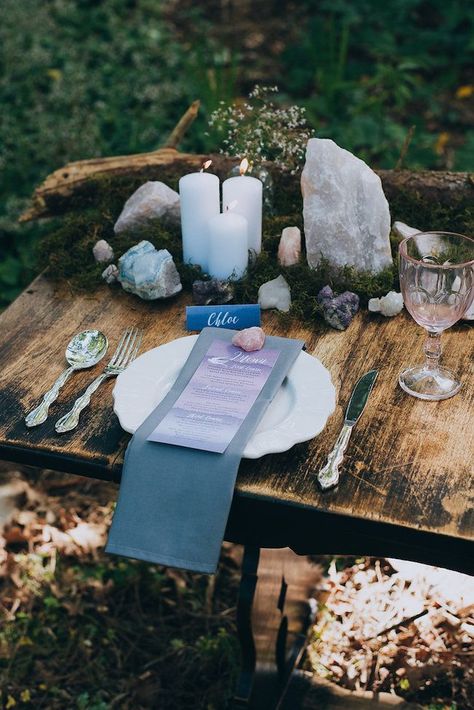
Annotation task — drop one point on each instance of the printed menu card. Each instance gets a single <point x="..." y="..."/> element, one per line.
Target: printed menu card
<point x="211" y="408"/>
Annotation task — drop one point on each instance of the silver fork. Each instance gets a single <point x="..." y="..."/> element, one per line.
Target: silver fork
<point x="124" y="354"/>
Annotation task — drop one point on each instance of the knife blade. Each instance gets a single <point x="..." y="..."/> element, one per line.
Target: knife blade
<point x="328" y="476"/>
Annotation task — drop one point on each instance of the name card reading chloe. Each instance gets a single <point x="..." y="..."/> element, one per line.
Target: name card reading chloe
<point x="233" y="317"/>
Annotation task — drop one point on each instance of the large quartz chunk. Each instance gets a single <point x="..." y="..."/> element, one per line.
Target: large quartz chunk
<point x="275" y="294"/>
<point x="149" y="273"/>
<point x="346" y="215"/>
<point x="151" y="202"/>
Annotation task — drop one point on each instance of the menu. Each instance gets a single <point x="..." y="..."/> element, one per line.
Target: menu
<point x="212" y="407"/>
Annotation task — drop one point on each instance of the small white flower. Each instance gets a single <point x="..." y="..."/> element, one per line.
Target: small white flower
<point x="263" y="129"/>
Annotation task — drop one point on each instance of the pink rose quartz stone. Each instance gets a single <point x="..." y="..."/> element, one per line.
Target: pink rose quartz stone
<point x="289" y="249"/>
<point x="249" y="339"/>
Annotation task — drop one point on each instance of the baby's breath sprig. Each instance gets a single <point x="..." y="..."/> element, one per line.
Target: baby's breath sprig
<point x="260" y="130"/>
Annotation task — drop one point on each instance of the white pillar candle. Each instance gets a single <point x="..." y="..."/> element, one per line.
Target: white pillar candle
<point x="228" y="246"/>
<point x="247" y="192"/>
<point x="199" y="199"/>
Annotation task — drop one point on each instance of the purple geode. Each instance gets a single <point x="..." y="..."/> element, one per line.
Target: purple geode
<point x="338" y="311"/>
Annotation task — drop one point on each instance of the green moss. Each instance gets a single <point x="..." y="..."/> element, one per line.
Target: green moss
<point x="67" y="250"/>
<point x="426" y="214"/>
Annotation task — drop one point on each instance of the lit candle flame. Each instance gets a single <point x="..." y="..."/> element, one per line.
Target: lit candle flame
<point x="243" y="167"/>
<point x="232" y="205"/>
<point x="205" y="165"/>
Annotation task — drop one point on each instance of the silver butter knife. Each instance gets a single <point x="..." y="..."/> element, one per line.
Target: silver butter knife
<point x="328" y="477"/>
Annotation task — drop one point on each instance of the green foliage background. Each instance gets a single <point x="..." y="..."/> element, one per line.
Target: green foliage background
<point x="84" y="78"/>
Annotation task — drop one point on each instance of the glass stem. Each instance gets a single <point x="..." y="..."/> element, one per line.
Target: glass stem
<point x="432" y="349"/>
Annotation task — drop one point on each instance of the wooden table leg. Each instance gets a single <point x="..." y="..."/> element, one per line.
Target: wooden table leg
<point x="274" y="610"/>
<point x="248" y="583"/>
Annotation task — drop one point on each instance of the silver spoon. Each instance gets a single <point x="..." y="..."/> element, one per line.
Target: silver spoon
<point x="84" y="350"/>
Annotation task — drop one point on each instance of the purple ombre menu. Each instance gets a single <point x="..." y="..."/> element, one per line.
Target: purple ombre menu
<point x="211" y="408"/>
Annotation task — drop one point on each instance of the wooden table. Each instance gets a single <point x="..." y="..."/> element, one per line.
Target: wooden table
<point x="406" y="489"/>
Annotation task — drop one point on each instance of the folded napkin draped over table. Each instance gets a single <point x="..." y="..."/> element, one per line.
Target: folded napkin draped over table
<point x="174" y="501"/>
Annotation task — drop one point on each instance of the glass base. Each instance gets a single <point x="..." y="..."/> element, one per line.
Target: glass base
<point x="426" y="383"/>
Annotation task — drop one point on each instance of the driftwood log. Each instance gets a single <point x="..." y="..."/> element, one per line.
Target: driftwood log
<point x="323" y="694"/>
<point x="53" y="195"/>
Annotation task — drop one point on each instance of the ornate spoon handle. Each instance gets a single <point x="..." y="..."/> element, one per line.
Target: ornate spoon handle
<point x="328" y="477"/>
<point x="70" y="420"/>
<point x="40" y="413"/>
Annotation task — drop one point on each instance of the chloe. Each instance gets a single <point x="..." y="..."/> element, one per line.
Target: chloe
<point x="220" y="319"/>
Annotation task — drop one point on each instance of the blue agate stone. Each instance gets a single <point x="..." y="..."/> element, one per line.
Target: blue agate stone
<point x="148" y="272"/>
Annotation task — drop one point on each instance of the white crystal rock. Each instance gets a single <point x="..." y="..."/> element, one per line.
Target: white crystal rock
<point x="149" y="273"/>
<point x="425" y="242"/>
<point x="404" y="230"/>
<point x="346" y="215"/>
<point x="110" y="274"/>
<point x="275" y="294"/>
<point x="102" y="251"/>
<point x="152" y="201"/>
<point x="389" y="305"/>
<point x="249" y="339"/>
<point x="289" y="249"/>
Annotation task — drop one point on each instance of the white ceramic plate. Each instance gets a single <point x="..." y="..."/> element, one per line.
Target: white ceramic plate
<point x="297" y="413"/>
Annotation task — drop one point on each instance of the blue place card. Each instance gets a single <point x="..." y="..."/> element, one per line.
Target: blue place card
<point x="232" y="317"/>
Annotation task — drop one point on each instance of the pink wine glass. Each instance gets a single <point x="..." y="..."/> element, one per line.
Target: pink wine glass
<point x="437" y="283"/>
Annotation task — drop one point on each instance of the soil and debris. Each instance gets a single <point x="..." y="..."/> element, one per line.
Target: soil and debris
<point x="81" y="629"/>
<point x="396" y="626"/>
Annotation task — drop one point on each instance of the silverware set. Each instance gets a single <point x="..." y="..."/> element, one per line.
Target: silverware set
<point x="85" y="350"/>
<point x="88" y="348"/>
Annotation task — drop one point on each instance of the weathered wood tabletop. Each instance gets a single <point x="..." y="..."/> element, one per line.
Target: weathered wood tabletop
<point x="406" y="488"/>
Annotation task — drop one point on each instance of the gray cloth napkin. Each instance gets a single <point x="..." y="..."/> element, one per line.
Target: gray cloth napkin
<point x="174" y="501"/>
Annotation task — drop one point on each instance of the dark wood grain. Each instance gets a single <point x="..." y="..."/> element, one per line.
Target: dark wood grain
<point x="408" y="472"/>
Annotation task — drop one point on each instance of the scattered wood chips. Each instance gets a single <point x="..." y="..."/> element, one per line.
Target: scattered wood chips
<point x="395" y="626"/>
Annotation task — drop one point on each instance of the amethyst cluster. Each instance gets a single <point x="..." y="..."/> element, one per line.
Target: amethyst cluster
<point x="338" y="311"/>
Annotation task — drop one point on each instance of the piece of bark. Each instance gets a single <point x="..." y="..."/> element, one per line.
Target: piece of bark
<point x="53" y="195"/>
<point x="326" y="695"/>
<point x="442" y="187"/>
